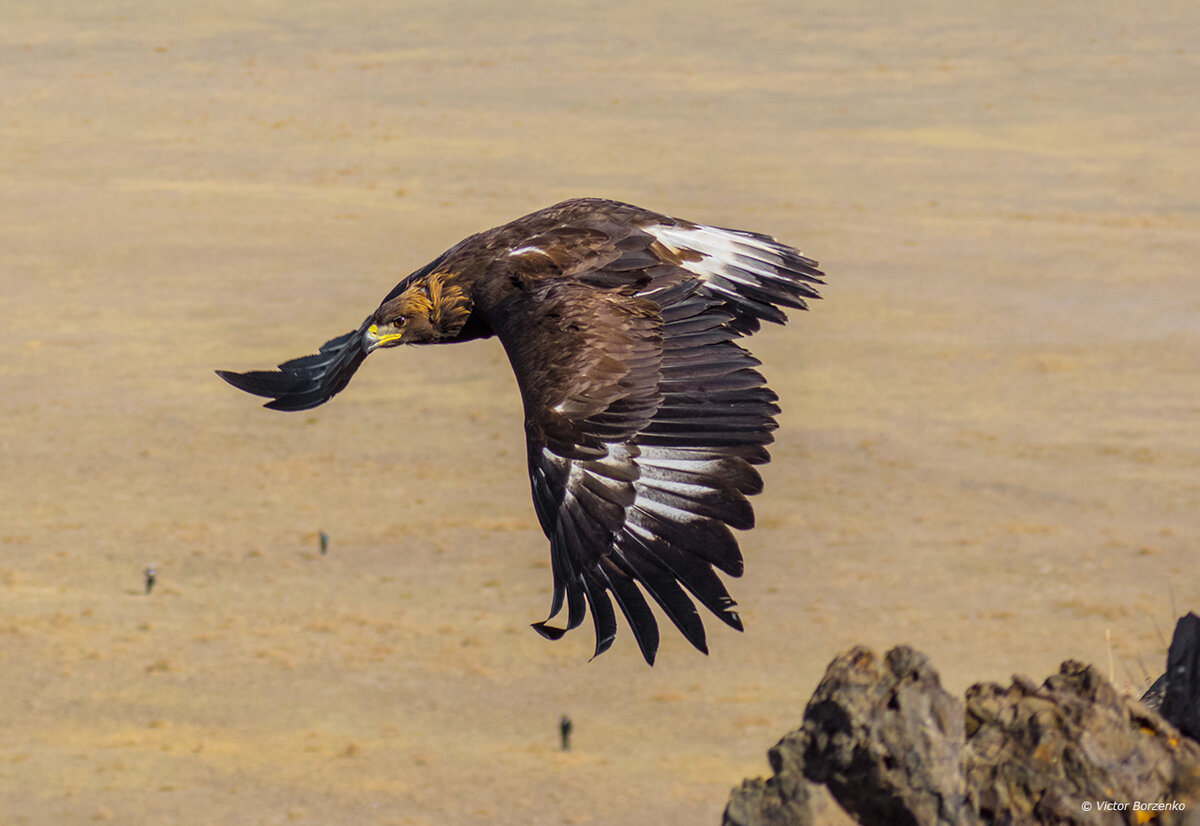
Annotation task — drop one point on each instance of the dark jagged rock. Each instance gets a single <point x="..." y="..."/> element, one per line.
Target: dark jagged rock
<point x="786" y="798"/>
<point x="894" y="748"/>
<point x="770" y="802"/>
<point x="885" y="737"/>
<point x="1181" y="682"/>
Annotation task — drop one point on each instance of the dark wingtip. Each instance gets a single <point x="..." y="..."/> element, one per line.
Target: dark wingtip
<point x="732" y="618"/>
<point x="548" y="631"/>
<point x="293" y="405"/>
<point x="605" y="643"/>
<point x="258" y="382"/>
<point x="308" y="381"/>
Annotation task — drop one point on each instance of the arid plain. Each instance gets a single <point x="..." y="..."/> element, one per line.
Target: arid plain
<point x="989" y="448"/>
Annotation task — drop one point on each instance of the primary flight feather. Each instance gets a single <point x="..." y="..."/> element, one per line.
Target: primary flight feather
<point x="644" y="417"/>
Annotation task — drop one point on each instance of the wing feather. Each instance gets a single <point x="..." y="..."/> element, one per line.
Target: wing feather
<point x="603" y="618"/>
<point x="664" y="588"/>
<point x="306" y="382"/>
<point x="633" y="606"/>
<point x="663" y="446"/>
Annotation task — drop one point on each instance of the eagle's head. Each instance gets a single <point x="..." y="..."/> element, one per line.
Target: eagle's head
<point x="427" y="310"/>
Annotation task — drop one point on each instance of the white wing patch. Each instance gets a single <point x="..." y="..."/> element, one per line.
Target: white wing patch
<point x="754" y="272"/>
<point x="656" y="473"/>
<point x="724" y="251"/>
<point x="528" y="249"/>
<point x="668" y="479"/>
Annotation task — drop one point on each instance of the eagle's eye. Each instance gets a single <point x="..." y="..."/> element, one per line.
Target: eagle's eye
<point x="398" y="321"/>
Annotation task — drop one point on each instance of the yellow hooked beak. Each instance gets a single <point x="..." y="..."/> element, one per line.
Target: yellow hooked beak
<point x="374" y="339"/>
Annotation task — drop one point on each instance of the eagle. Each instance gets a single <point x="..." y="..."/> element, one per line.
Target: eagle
<point x="644" y="416"/>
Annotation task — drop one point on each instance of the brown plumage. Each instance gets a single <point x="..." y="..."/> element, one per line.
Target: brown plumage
<point x="643" y="416"/>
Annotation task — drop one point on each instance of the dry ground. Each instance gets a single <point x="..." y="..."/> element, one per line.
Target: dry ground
<point x="989" y="447"/>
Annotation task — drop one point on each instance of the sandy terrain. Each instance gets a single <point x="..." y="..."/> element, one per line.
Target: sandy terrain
<point x="989" y="447"/>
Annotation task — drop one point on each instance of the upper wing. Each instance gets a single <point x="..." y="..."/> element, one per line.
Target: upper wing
<point x="307" y="381"/>
<point x="750" y="274"/>
<point x="613" y="245"/>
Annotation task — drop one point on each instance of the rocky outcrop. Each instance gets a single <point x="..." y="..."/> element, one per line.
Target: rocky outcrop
<point x="894" y="748"/>
<point x="1044" y="754"/>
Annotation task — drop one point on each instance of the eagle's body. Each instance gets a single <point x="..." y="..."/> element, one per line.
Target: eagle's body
<point x="643" y="416"/>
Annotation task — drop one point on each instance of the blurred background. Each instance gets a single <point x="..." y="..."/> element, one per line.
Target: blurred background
<point x="989" y="447"/>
